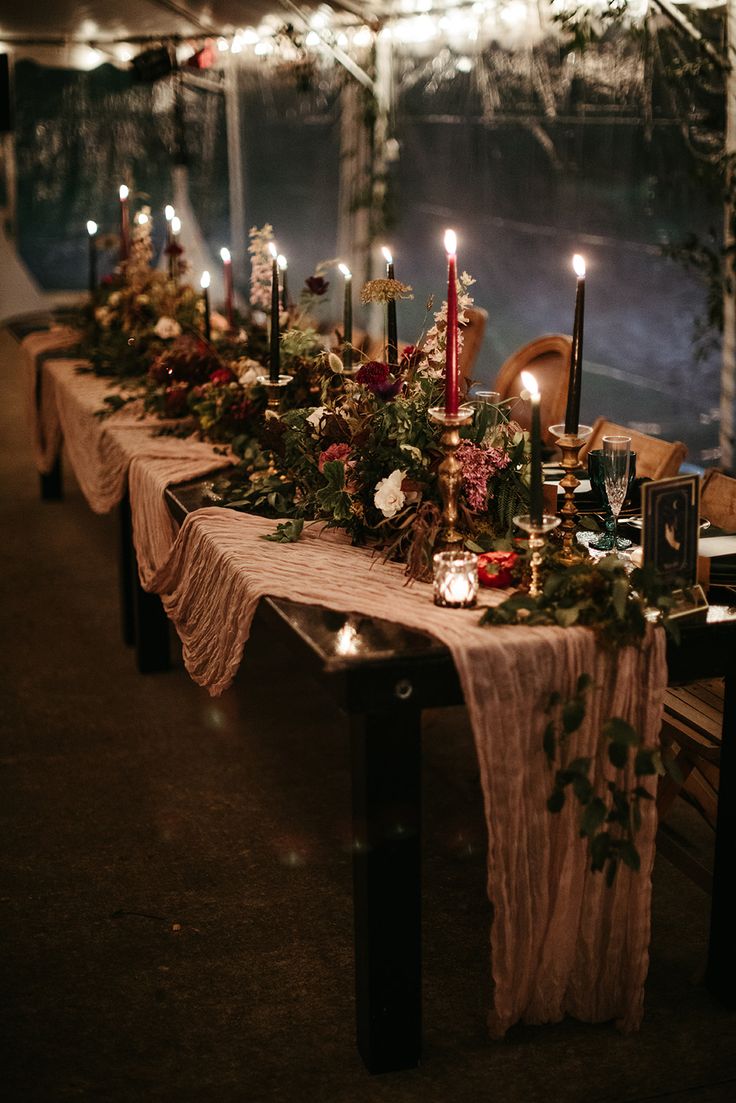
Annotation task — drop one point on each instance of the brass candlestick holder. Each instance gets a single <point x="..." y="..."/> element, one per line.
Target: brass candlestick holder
<point x="537" y="539"/>
<point x="450" y="469"/>
<point x="274" y="390"/>
<point x="570" y="445"/>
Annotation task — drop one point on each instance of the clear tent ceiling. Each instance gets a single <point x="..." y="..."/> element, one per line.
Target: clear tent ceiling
<point x="114" y="18"/>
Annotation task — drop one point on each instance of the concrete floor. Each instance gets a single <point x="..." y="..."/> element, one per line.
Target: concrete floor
<point x="176" y="887"/>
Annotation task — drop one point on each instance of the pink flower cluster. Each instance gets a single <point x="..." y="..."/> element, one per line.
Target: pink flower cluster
<point x="479" y="465"/>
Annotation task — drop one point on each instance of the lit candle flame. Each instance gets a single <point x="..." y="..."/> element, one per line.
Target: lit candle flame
<point x="124" y="192"/>
<point x="141" y="218"/>
<point x="387" y="255"/>
<point x="175" y="224"/>
<point x="450" y="242"/>
<point x="529" y="384"/>
<point x="347" y="641"/>
<point x="91" y="228"/>
<point x="273" y="250"/>
<point x="345" y="271"/>
<point x="169" y="212"/>
<point x="281" y="261"/>
<point x="578" y="264"/>
<point x="204" y="280"/>
<point x="225" y="254"/>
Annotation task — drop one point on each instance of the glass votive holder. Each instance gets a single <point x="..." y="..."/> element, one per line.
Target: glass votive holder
<point x="455" y="579"/>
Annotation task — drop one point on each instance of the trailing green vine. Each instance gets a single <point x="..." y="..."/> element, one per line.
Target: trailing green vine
<point x="610" y="815"/>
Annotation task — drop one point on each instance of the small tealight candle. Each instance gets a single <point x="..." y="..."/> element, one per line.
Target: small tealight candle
<point x="227" y="265"/>
<point x="347" y="318"/>
<point x="92" y="231"/>
<point x="204" y="283"/>
<point x="455" y="579"/>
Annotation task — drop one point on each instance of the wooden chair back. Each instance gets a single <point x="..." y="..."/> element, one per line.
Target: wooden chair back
<point x="655" y="458"/>
<point x="548" y="359"/>
<point x="718" y="499"/>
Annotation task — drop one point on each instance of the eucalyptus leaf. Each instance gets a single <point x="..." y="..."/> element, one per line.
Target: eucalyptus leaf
<point x="286" y="533"/>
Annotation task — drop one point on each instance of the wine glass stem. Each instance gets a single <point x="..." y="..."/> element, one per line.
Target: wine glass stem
<point x="615" y="530"/>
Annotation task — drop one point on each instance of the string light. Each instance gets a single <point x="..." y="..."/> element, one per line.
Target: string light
<point x="415" y="25"/>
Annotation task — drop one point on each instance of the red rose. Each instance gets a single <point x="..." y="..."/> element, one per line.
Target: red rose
<point x="496" y="568"/>
<point x="222" y="376"/>
<point x="334" y="452"/>
<point x="175" y="400"/>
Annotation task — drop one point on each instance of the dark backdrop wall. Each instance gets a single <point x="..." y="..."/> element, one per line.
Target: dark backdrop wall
<point x="610" y="176"/>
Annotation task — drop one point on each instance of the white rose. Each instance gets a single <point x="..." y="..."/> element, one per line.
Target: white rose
<point x="248" y="377"/>
<point x="167" y="327"/>
<point x="389" y="496"/>
<point x="316" y="417"/>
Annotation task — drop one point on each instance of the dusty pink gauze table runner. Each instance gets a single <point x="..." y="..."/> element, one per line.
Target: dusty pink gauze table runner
<point x="561" y="942"/>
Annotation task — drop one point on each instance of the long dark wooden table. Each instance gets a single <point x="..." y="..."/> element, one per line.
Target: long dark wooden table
<point x="382" y="676"/>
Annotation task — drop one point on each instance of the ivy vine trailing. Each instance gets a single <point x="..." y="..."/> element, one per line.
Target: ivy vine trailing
<point x="601" y="596"/>
<point x="611" y="818"/>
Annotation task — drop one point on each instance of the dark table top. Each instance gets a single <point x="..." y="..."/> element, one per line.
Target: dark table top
<point x="366" y="649"/>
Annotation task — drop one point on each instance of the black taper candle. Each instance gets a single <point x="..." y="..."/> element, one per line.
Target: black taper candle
<point x="207" y="323"/>
<point x="536" y="502"/>
<point x="275" y="362"/>
<point x="347" y="321"/>
<point x="392" y="338"/>
<point x="92" y="232"/>
<point x="284" y="290"/>
<point x="572" y="411"/>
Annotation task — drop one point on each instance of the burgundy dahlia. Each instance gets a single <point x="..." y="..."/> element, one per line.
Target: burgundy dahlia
<point x="376" y="376"/>
<point x="316" y="285"/>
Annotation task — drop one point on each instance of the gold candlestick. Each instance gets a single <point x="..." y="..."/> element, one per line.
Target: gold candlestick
<point x="537" y="539"/>
<point x="570" y="445"/>
<point x="450" y="470"/>
<point x="274" y="390"/>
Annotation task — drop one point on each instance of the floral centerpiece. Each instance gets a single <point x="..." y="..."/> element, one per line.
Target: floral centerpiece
<point x="137" y="310"/>
<point x="365" y="460"/>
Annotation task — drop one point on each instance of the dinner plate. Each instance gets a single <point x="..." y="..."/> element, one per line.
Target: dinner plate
<point x="637" y="523"/>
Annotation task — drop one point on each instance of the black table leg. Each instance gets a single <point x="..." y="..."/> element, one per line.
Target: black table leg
<point x="720" y="975"/>
<point x="144" y="621"/>
<point x="52" y="489"/>
<point x="386" y="768"/>
<point x="125" y="572"/>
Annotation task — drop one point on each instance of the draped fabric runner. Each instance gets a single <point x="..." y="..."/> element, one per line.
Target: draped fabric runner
<point x="561" y="942"/>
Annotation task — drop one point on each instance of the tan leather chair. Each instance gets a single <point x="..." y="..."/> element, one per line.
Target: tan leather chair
<point x="655" y="458"/>
<point x="718" y="499"/>
<point x="473" y="332"/>
<point x="548" y="359"/>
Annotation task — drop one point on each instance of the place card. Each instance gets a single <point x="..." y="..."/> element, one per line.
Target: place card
<point x="670" y="527"/>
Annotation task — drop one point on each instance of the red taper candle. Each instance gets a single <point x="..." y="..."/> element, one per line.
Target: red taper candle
<point x="451" y="366"/>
